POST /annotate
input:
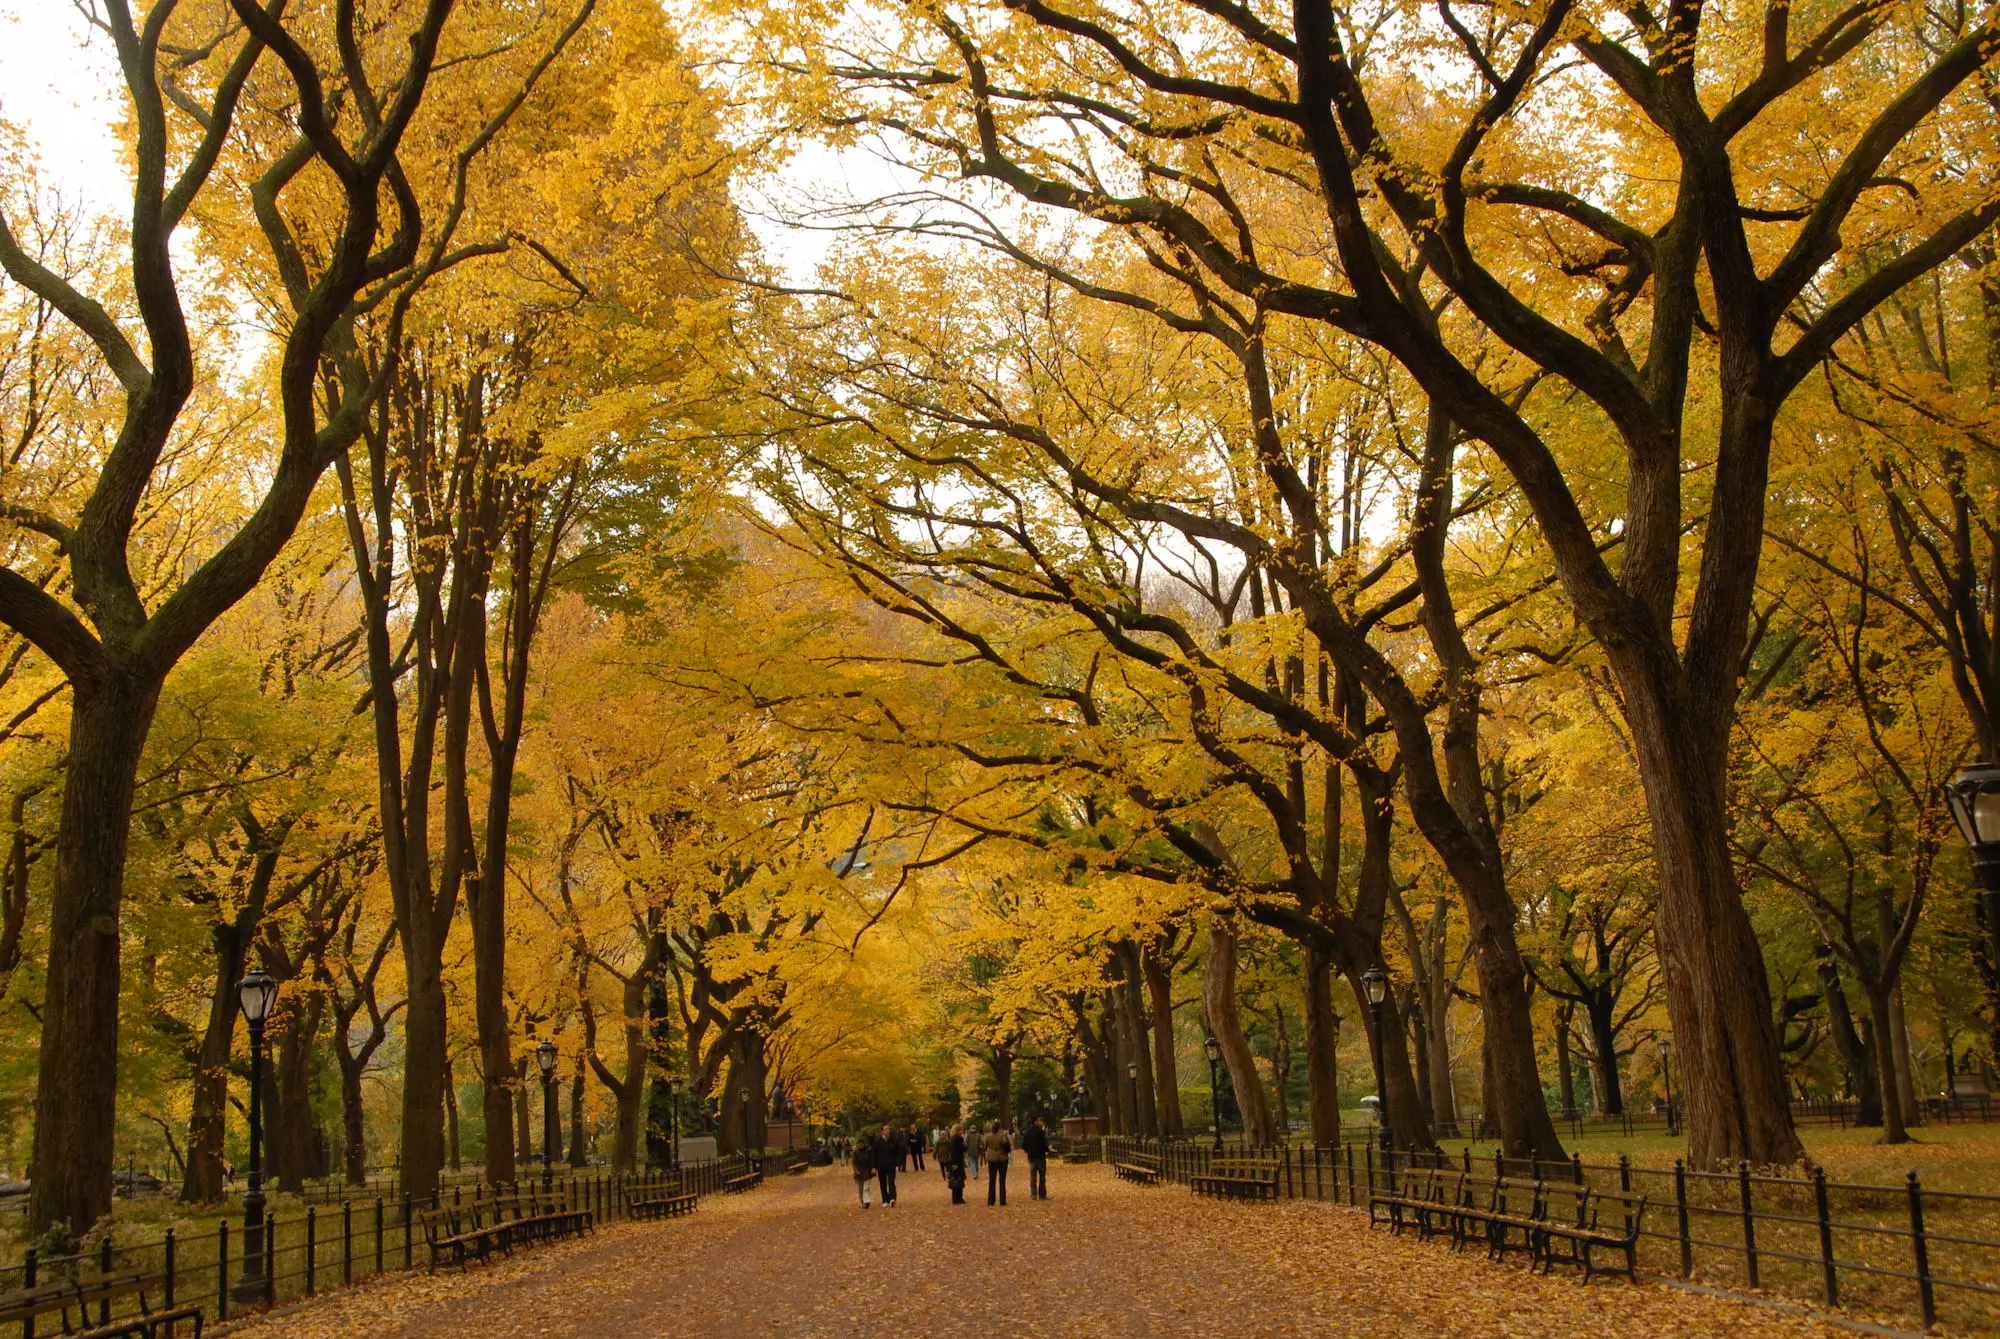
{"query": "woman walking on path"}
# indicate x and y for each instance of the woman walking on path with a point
(997, 1148)
(916, 1147)
(951, 1153)
(863, 1164)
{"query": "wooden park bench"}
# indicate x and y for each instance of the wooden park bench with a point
(658, 1203)
(1139, 1168)
(457, 1232)
(1238, 1178)
(797, 1168)
(529, 1220)
(747, 1181)
(1428, 1199)
(1606, 1219)
(1077, 1155)
(74, 1301)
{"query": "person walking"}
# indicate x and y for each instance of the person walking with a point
(951, 1153)
(996, 1148)
(916, 1147)
(888, 1157)
(862, 1162)
(1035, 1143)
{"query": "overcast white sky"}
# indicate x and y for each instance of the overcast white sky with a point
(61, 92)
(59, 86)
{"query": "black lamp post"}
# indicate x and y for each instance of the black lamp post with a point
(743, 1101)
(545, 1056)
(1376, 982)
(1212, 1048)
(1132, 1072)
(1974, 798)
(256, 994)
(674, 1123)
(1666, 1045)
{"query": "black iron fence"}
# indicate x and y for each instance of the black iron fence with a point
(1904, 1252)
(327, 1246)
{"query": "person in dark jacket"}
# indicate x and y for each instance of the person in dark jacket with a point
(889, 1154)
(917, 1147)
(951, 1153)
(1035, 1143)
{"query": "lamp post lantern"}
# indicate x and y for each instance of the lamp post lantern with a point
(1132, 1073)
(1666, 1046)
(1212, 1048)
(1974, 799)
(743, 1101)
(545, 1057)
(674, 1123)
(256, 993)
(1375, 982)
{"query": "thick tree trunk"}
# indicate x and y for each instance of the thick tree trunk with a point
(292, 1138)
(661, 1116)
(1717, 994)
(1395, 1080)
(426, 1060)
(1856, 1053)
(1218, 1001)
(1906, 1080)
(1895, 1129)
(631, 1091)
(579, 1142)
(1322, 1049)
(76, 1085)
(1565, 1077)
(743, 1122)
(1166, 1078)
(353, 1122)
(1600, 1012)
(203, 1183)
(1132, 1021)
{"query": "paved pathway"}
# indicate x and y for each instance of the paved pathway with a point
(1101, 1260)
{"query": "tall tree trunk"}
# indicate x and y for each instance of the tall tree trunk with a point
(1881, 1010)
(1322, 1049)
(1717, 994)
(1856, 1053)
(1906, 1079)
(1160, 1002)
(353, 1121)
(203, 1183)
(1218, 1000)
(76, 1083)
(291, 1141)
(1132, 1017)
(1600, 1010)
(579, 1141)
(663, 1066)
(1565, 1076)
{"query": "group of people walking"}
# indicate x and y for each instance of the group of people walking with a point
(875, 1159)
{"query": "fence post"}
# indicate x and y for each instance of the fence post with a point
(1351, 1200)
(1681, 1205)
(1920, 1245)
(222, 1270)
(1576, 1167)
(378, 1234)
(270, 1259)
(170, 1259)
(1624, 1172)
(104, 1261)
(1825, 1238)
(30, 1267)
(1749, 1222)
(312, 1249)
(1369, 1150)
(409, 1258)
(346, 1241)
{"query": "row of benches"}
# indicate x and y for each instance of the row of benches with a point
(457, 1232)
(1555, 1222)
(1559, 1223)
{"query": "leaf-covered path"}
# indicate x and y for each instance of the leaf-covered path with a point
(798, 1258)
